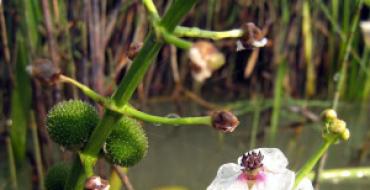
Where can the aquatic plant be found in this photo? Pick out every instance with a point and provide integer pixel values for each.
(265, 168)
(37, 38)
(258, 169)
(56, 176)
(127, 144)
(70, 123)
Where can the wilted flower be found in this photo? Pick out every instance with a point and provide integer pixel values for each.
(44, 70)
(205, 59)
(252, 38)
(259, 169)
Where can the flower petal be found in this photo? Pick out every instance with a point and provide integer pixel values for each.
(305, 184)
(260, 43)
(228, 178)
(283, 180)
(273, 159)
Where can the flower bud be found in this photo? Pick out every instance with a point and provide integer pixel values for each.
(345, 135)
(338, 126)
(127, 144)
(56, 176)
(96, 183)
(329, 115)
(205, 59)
(44, 70)
(70, 123)
(224, 121)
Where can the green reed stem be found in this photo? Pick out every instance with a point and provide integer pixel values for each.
(12, 166)
(348, 47)
(36, 147)
(256, 119)
(308, 49)
(194, 32)
(343, 73)
(278, 93)
(334, 24)
(366, 91)
(310, 164)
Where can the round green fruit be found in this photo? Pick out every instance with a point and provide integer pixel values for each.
(127, 144)
(70, 123)
(56, 177)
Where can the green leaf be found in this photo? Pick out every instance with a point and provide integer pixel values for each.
(21, 102)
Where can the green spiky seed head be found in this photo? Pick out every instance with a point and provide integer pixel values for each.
(127, 144)
(70, 123)
(56, 177)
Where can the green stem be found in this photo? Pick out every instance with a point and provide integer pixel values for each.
(12, 167)
(334, 23)
(343, 73)
(278, 93)
(149, 5)
(174, 40)
(125, 90)
(194, 32)
(131, 111)
(205, 120)
(86, 90)
(256, 119)
(310, 164)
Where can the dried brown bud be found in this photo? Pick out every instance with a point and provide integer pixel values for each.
(224, 121)
(44, 70)
(205, 59)
(134, 49)
(252, 38)
(96, 183)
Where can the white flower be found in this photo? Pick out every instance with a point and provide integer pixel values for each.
(259, 169)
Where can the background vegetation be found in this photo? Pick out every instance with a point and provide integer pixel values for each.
(316, 56)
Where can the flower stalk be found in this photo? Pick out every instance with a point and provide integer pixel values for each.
(195, 32)
(132, 112)
(334, 130)
(310, 164)
(124, 92)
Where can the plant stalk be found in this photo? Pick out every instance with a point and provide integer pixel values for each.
(310, 164)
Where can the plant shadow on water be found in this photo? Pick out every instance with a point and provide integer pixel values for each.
(190, 156)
